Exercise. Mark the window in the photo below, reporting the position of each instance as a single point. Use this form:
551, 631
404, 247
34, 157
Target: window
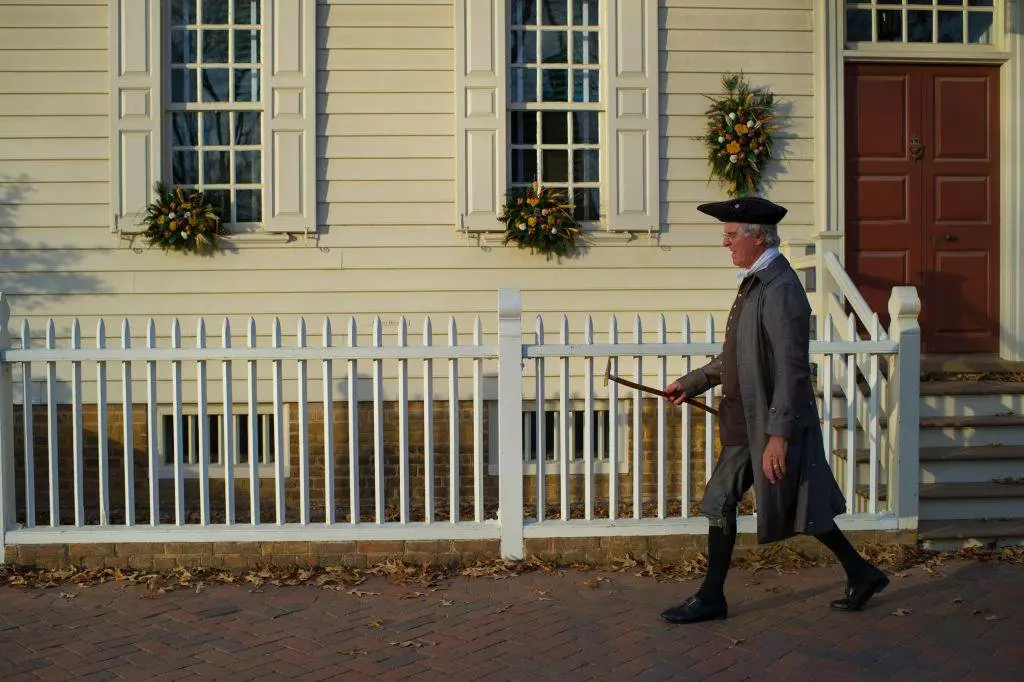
215, 103
921, 21
217, 445
555, 99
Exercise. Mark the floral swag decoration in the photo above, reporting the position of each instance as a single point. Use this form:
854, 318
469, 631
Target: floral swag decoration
182, 220
738, 138
541, 220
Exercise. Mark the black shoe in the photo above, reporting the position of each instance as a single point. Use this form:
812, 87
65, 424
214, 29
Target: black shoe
695, 609
859, 592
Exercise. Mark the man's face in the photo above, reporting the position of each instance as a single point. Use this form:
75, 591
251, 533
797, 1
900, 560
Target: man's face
745, 250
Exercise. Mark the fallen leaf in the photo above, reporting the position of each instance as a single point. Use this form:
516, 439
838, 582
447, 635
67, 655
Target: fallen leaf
67, 595
594, 583
737, 642
504, 608
447, 602
415, 643
361, 593
354, 652
992, 617
376, 624
542, 595
902, 612
413, 595
958, 600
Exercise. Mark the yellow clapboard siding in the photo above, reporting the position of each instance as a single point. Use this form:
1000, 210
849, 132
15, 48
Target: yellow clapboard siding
753, 39
155, 260
66, 149
54, 60
805, 5
55, 216
53, 105
722, 18
684, 147
399, 58
686, 211
610, 253
384, 213
732, 62
784, 190
390, 169
54, 127
388, 81
45, 170
40, 38
692, 169
44, 283
363, 190
687, 126
385, 103
422, 146
52, 193
386, 38
343, 125
783, 85
386, 16
75, 83
36, 15
696, 104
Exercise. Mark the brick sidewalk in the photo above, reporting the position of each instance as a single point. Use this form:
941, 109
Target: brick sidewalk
965, 622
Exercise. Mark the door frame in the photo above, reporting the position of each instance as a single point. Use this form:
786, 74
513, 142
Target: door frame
830, 206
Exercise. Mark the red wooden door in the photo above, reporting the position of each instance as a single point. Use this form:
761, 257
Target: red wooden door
922, 196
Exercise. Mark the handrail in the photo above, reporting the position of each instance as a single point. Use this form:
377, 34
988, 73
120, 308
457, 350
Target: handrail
852, 294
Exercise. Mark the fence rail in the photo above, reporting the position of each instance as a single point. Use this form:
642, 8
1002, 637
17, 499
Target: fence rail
126, 441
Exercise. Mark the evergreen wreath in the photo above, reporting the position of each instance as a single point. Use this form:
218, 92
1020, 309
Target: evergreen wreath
738, 136
182, 220
540, 219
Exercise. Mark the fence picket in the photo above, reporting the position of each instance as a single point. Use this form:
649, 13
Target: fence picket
252, 424
102, 444
127, 420
638, 337
179, 474
709, 419
684, 428
478, 424
453, 425
303, 408
588, 421
353, 427
378, 426
874, 419
228, 429
563, 425
76, 426
540, 419
278, 434
403, 424
27, 427
428, 425
328, 382
613, 424
851, 420
203, 428
152, 429
828, 388
662, 454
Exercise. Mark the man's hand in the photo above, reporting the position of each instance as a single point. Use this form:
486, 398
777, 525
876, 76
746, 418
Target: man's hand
676, 395
773, 463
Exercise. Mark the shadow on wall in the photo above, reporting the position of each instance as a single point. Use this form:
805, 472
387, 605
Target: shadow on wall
33, 272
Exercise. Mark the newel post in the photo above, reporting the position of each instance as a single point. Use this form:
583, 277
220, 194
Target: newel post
510, 423
6, 432
904, 423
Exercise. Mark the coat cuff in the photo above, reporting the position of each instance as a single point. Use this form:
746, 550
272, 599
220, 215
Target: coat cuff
780, 423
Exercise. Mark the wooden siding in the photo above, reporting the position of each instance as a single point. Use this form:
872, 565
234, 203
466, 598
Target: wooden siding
386, 183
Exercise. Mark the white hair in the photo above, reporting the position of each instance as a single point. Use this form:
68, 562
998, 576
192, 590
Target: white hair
770, 232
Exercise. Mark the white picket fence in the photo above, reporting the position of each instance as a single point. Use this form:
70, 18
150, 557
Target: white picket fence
199, 399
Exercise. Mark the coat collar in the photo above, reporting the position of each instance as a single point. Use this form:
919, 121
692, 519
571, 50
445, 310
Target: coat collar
778, 265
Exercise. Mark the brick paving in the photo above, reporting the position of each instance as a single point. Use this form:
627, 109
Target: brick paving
964, 622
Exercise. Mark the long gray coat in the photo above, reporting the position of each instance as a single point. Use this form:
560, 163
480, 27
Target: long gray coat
773, 334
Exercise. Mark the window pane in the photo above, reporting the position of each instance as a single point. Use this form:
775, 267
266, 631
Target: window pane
524, 11
184, 129
215, 47
183, 46
247, 127
524, 85
524, 127
919, 2
588, 204
247, 11
248, 206
584, 86
185, 168
524, 165
584, 127
890, 25
919, 26
215, 85
247, 46
584, 12
216, 128
216, 168
215, 11
979, 28
221, 200
951, 27
247, 167
858, 25
556, 165
584, 47
554, 12
555, 126
183, 86
586, 165
958, 3
554, 47
183, 11
247, 85
524, 47
555, 85
979, 3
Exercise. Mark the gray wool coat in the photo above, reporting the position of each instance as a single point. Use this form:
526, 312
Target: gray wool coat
773, 359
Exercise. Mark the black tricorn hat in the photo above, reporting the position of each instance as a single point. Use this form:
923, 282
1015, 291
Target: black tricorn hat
753, 210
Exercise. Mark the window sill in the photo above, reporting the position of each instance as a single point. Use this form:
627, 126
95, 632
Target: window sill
593, 234
927, 52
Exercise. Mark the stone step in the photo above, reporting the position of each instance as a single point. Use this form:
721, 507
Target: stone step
953, 388
951, 534
967, 454
945, 501
1005, 429
979, 464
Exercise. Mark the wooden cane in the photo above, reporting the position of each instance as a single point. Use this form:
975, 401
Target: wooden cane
656, 391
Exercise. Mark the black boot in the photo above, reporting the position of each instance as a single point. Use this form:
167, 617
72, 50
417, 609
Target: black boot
863, 580
709, 602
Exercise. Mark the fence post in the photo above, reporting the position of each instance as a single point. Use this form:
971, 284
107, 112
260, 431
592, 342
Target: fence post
904, 424
6, 432
510, 423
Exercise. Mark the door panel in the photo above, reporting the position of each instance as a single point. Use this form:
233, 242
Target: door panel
922, 203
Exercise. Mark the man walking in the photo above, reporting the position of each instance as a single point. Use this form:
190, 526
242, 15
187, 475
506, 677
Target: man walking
768, 419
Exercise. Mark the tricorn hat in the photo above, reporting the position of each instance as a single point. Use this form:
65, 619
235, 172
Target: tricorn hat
754, 210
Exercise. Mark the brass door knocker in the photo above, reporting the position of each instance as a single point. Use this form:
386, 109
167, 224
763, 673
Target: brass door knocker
916, 148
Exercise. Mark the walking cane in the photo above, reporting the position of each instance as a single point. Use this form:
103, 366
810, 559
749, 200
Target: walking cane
657, 391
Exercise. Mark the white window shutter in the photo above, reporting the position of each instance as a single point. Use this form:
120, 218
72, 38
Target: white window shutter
480, 93
632, 163
289, 118
136, 108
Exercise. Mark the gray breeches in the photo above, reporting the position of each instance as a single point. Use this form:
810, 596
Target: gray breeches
732, 477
